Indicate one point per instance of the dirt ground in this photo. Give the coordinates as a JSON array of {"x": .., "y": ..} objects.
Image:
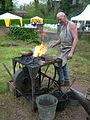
[{"x": 12, "y": 108}]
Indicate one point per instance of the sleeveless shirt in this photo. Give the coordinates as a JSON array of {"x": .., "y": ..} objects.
[{"x": 66, "y": 39}]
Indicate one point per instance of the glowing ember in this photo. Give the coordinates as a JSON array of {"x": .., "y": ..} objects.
[{"x": 40, "y": 50}]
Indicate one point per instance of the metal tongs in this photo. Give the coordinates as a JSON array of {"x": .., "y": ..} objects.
[{"x": 68, "y": 88}]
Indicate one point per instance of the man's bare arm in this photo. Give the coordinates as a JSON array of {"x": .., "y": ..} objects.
[
  {"x": 73, "y": 30},
  {"x": 54, "y": 43}
]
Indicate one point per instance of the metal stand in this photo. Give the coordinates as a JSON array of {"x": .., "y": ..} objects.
[{"x": 35, "y": 68}]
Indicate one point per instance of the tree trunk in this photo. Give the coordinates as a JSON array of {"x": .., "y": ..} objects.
[{"x": 36, "y": 2}]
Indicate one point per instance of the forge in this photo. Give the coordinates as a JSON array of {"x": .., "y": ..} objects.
[{"x": 29, "y": 74}]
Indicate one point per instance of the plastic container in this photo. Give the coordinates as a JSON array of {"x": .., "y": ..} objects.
[{"x": 46, "y": 105}]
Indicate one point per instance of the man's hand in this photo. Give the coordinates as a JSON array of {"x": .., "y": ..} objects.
[
  {"x": 69, "y": 56},
  {"x": 52, "y": 44}
]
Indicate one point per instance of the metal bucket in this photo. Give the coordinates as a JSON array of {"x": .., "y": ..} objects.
[
  {"x": 46, "y": 105},
  {"x": 62, "y": 101}
]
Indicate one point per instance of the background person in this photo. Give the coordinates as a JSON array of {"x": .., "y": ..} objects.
[
  {"x": 78, "y": 25},
  {"x": 68, "y": 39}
]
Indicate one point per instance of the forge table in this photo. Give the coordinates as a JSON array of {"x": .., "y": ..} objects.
[{"x": 34, "y": 66}]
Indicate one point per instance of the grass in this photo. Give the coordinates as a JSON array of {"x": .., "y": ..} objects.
[
  {"x": 79, "y": 65},
  {"x": 8, "y": 50}
]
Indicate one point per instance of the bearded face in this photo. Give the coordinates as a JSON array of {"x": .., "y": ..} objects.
[
  {"x": 60, "y": 21},
  {"x": 61, "y": 18}
]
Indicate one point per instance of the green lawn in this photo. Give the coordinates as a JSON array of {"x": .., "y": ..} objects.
[{"x": 79, "y": 65}]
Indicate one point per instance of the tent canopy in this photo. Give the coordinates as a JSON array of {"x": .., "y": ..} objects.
[
  {"x": 37, "y": 19},
  {"x": 8, "y": 16},
  {"x": 84, "y": 16}
]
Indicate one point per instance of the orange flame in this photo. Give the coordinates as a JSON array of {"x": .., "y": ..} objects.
[{"x": 40, "y": 50}]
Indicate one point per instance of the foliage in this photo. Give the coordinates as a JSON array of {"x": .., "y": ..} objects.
[
  {"x": 2, "y": 23},
  {"x": 26, "y": 21},
  {"x": 50, "y": 21},
  {"x": 6, "y": 6},
  {"x": 85, "y": 3},
  {"x": 15, "y": 22},
  {"x": 24, "y": 34},
  {"x": 32, "y": 11},
  {"x": 48, "y": 9},
  {"x": 65, "y": 6},
  {"x": 75, "y": 10},
  {"x": 78, "y": 8},
  {"x": 44, "y": 10}
]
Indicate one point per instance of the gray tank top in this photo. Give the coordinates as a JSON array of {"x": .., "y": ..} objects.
[{"x": 66, "y": 37}]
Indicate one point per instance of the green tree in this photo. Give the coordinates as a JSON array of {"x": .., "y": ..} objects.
[
  {"x": 33, "y": 11},
  {"x": 65, "y": 6},
  {"x": 6, "y": 6},
  {"x": 36, "y": 2},
  {"x": 77, "y": 8}
]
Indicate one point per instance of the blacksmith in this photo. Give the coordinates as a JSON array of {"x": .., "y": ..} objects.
[{"x": 68, "y": 40}]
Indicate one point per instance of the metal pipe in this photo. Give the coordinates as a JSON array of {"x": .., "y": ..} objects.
[{"x": 83, "y": 101}]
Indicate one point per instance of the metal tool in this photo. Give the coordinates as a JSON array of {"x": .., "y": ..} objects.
[
  {"x": 68, "y": 87},
  {"x": 8, "y": 71}
]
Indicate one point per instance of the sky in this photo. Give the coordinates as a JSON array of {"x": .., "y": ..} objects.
[{"x": 21, "y": 2}]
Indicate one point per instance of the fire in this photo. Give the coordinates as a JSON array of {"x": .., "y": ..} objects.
[{"x": 40, "y": 50}]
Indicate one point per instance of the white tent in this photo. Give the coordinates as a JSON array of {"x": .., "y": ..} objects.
[
  {"x": 8, "y": 16},
  {"x": 84, "y": 16}
]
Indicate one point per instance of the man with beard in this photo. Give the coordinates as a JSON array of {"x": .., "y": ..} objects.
[{"x": 68, "y": 40}]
